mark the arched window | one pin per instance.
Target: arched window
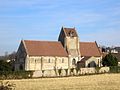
(73, 62)
(71, 33)
(92, 64)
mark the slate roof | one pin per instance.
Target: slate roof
(44, 48)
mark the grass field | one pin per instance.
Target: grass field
(92, 82)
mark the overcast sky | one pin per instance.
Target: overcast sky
(94, 20)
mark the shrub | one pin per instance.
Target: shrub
(59, 71)
(15, 74)
(109, 60)
(115, 69)
(5, 66)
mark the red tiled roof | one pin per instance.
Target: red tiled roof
(89, 49)
(70, 30)
(55, 48)
(44, 48)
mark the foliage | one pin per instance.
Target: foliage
(5, 66)
(109, 60)
(15, 74)
(7, 86)
(59, 71)
(8, 56)
(97, 69)
(115, 69)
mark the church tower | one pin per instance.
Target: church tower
(70, 41)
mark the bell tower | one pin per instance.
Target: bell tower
(70, 41)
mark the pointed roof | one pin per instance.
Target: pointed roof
(89, 49)
(44, 48)
(69, 31)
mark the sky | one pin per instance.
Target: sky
(94, 20)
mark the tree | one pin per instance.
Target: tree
(5, 66)
(109, 60)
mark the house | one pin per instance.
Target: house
(62, 54)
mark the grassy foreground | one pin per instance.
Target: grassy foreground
(92, 82)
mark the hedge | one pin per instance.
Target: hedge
(115, 69)
(15, 74)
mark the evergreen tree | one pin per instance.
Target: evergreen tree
(109, 60)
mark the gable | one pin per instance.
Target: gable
(21, 52)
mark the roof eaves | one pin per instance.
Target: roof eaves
(98, 48)
(23, 41)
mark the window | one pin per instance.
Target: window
(92, 64)
(62, 60)
(71, 34)
(49, 60)
(35, 60)
(73, 62)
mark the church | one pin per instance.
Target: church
(66, 53)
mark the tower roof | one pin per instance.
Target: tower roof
(70, 32)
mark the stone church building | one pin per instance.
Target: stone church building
(66, 53)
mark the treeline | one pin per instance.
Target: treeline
(10, 56)
(7, 68)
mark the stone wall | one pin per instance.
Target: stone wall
(104, 69)
(87, 70)
(70, 72)
(118, 63)
(46, 63)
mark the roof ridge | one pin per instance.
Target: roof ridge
(87, 42)
(40, 41)
(69, 27)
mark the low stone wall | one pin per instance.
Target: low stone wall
(87, 70)
(71, 72)
(50, 73)
(104, 69)
(37, 74)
